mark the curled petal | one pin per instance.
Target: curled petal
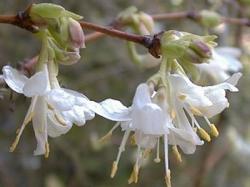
(55, 127)
(14, 79)
(111, 109)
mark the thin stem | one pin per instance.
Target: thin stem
(115, 33)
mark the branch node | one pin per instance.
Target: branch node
(154, 47)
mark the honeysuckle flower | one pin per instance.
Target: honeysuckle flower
(148, 119)
(52, 111)
(223, 63)
(200, 101)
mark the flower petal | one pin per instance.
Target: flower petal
(150, 120)
(36, 85)
(39, 122)
(14, 79)
(55, 128)
(184, 139)
(233, 80)
(111, 109)
(142, 96)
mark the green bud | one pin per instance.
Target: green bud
(46, 10)
(209, 18)
(201, 48)
(60, 31)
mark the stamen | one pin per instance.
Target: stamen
(196, 111)
(46, 150)
(59, 118)
(157, 159)
(214, 132)
(136, 173)
(121, 149)
(146, 153)
(168, 178)
(114, 169)
(182, 97)
(132, 139)
(26, 121)
(203, 134)
(173, 114)
(177, 153)
(107, 136)
(131, 178)
(136, 166)
(50, 106)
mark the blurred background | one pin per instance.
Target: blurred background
(106, 71)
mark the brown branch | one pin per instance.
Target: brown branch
(178, 15)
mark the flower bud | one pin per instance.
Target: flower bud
(45, 11)
(209, 18)
(77, 38)
(201, 48)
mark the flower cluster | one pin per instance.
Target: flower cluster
(165, 108)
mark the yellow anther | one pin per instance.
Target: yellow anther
(46, 150)
(20, 131)
(114, 169)
(173, 114)
(136, 173)
(214, 132)
(50, 106)
(146, 153)
(177, 153)
(106, 137)
(168, 179)
(196, 111)
(182, 97)
(131, 178)
(133, 140)
(14, 144)
(203, 134)
(157, 160)
(60, 119)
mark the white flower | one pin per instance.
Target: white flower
(201, 101)
(224, 62)
(149, 119)
(52, 111)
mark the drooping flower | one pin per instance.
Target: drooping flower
(149, 120)
(52, 111)
(193, 100)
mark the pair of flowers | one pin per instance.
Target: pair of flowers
(156, 112)
(169, 114)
